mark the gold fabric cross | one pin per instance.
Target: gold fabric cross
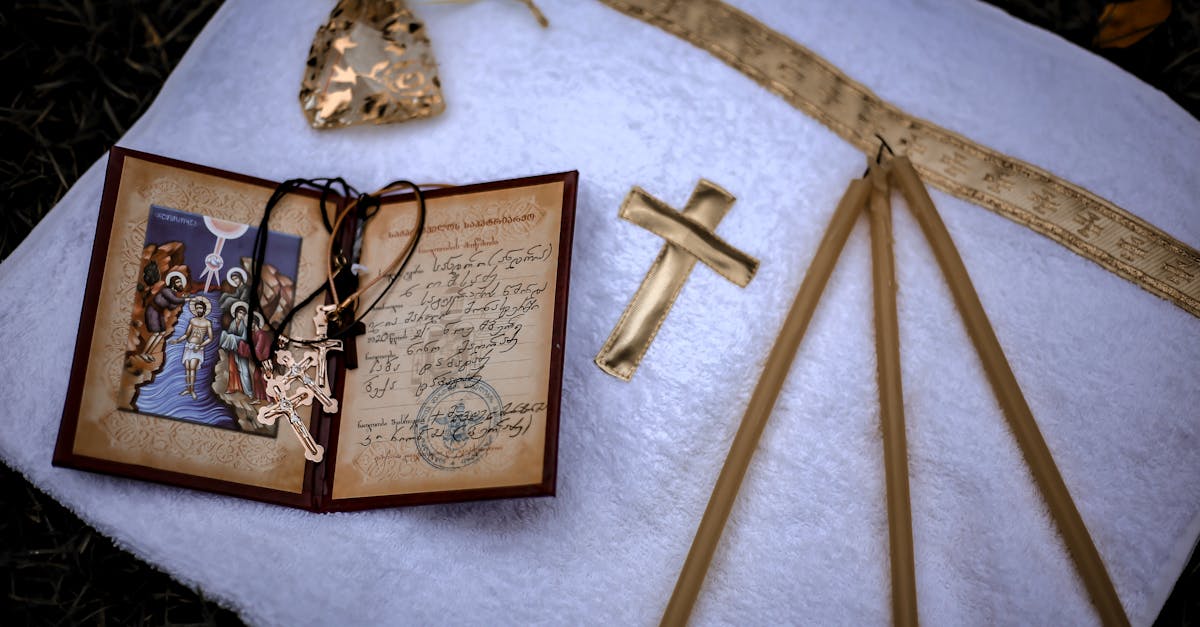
(689, 238)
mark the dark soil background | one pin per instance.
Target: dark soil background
(82, 71)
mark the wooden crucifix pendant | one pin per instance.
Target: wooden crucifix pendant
(293, 387)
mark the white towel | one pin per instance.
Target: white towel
(1109, 370)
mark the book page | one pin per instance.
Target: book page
(451, 392)
(169, 384)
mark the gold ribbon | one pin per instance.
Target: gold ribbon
(1091, 226)
(689, 238)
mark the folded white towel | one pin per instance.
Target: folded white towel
(1109, 370)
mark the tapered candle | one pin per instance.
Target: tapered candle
(891, 404)
(1012, 402)
(761, 402)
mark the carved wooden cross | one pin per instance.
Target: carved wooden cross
(689, 238)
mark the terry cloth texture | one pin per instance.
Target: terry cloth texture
(1109, 370)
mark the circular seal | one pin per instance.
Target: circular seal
(457, 423)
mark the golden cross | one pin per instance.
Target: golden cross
(689, 238)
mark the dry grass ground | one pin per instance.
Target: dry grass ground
(88, 69)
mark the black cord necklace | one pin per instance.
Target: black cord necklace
(288, 380)
(364, 208)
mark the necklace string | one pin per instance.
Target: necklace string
(338, 265)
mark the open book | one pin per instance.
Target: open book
(456, 391)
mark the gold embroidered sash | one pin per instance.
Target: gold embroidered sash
(1066, 213)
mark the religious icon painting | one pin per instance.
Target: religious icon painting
(190, 352)
(165, 384)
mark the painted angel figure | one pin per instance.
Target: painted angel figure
(261, 344)
(235, 340)
(239, 292)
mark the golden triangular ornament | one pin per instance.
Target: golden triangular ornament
(370, 63)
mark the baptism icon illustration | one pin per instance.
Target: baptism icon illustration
(191, 348)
